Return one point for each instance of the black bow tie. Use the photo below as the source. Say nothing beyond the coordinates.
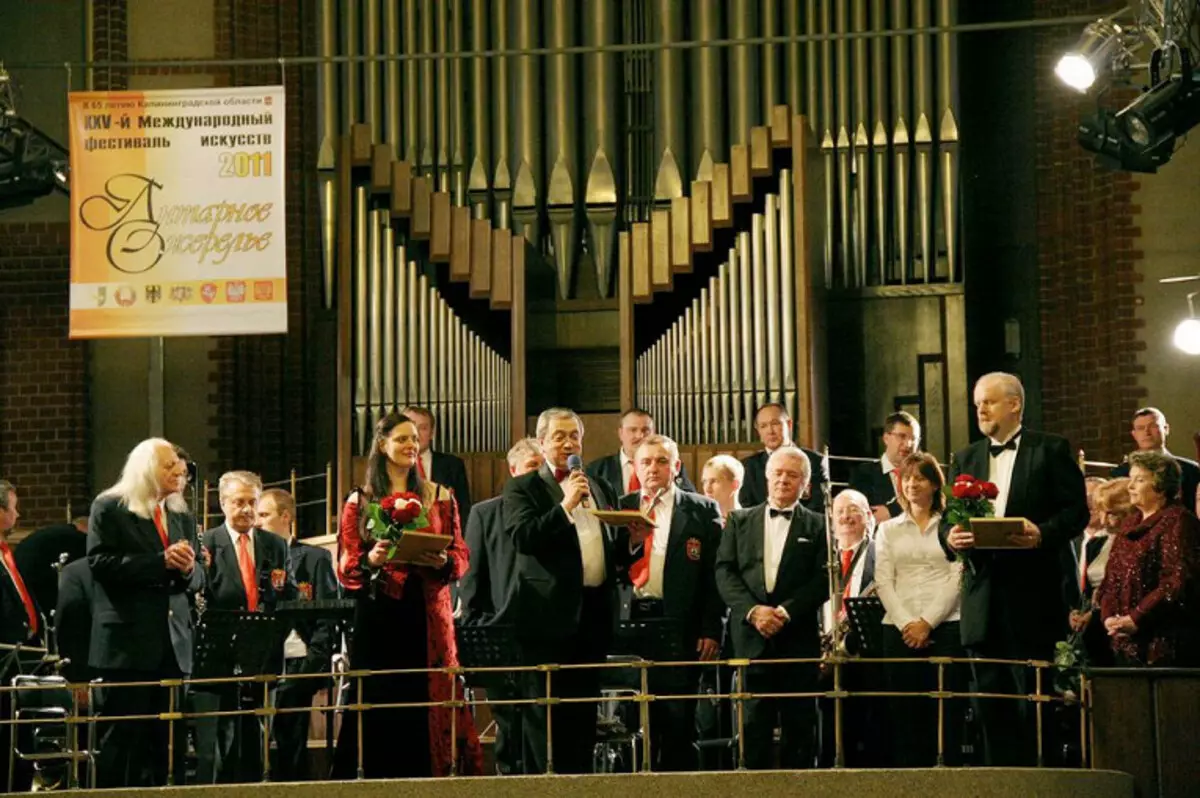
(785, 513)
(995, 450)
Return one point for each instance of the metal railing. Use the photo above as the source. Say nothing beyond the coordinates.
(352, 681)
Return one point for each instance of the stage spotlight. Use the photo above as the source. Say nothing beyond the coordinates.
(1103, 135)
(1187, 334)
(1168, 110)
(1100, 42)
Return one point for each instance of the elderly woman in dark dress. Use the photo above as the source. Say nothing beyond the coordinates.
(1147, 600)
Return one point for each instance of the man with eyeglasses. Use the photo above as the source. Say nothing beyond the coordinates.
(879, 480)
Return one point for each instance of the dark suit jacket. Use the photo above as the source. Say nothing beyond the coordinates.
(548, 597)
(1012, 599)
(608, 470)
(877, 486)
(689, 574)
(490, 583)
(451, 471)
(225, 590)
(1187, 487)
(73, 619)
(140, 609)
(313, 566)
(801, 585)
(754, 483)
(37, 555)
(14, 620)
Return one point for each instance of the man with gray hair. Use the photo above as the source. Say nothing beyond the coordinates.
(248, 572)
(771, 574)
(487, 590)
(1012, 603)
(565, 585)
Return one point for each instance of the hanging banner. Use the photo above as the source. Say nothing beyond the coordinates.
(177, 213)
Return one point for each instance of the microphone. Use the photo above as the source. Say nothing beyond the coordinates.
(575, 463)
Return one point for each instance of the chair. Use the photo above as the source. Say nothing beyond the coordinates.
(48, 742)
(618, 726)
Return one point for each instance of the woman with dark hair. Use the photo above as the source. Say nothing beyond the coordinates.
(403, 620)
(1148, 594)
(919, 589)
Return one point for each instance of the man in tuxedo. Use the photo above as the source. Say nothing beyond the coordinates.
(853, 529)
(721, 480)
(20, 623)
(444, 469)
(310, 643)
(1012, 605)
(771, 572)
(672, 577)
(45, 548)
(247, 571)
(879, 480)
(487, 590)
(564, 600)
(774, 427)
(618, 470)
(141, 549)
(1149, 432)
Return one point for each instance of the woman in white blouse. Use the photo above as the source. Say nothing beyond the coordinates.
(919, 589)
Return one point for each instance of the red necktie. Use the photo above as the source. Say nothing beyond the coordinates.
(639, 572)
(160, 526)
(246, 565)
(26, 599)
(561, 473)
(635, 484)
(847, 564)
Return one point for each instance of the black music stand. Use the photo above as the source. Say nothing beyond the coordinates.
(486, 647)
(866, 619)
(659, 639)
(236, 643)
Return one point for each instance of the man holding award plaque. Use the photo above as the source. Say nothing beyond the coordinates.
(1012, 603)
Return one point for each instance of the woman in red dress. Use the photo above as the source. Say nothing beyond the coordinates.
(402, 620)
(1150, 584)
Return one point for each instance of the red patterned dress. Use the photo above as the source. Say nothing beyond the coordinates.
(403, 619)
(1152, 577)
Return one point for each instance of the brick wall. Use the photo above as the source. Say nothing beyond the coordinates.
(1087, 262)
(263, 394)
(44, 420)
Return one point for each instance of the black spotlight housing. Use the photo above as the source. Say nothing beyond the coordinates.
(1104, 135)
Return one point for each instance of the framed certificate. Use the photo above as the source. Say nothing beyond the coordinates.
(993, 533)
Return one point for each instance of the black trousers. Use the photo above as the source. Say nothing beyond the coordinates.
(290, 729)
(914, 721)
(510, 734)
(134, 753)
(574, 724)
(796, 717)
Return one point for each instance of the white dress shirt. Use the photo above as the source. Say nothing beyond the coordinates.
(775, 535)
(427, 463)
(856, 577)
(914, 578)
(887, 467)
(664, 511)
(1000, 469)
(591, 545)
(1095, 568)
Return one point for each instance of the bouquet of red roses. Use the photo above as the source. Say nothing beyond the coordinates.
(394, 515)
(968, 498)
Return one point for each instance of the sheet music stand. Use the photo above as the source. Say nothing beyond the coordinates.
(486, 647)
(866, 619)
(658, 639)
(236, 643)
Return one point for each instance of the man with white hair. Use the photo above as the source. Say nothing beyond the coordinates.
(141, 549)
(853, 526)
(248, 572)
(1012, 603)
(771, 574)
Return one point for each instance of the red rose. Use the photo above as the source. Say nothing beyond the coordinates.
(404, 515)
(990, 491)
(964, 478)
(960, 489)
(388, 503)
(975, 490)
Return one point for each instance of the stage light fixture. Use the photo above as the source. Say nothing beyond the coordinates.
(1099, 49)
(1103, 135)
(1169, 109)
(1187, 334)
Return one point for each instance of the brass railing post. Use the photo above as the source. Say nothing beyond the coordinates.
(267, 722)
(453, 725)
(361, 774)
(1083, 720)
(549, 724)
(941, 715)
(170, 735)
(839, 749)
(73, 773)
(1037, 671)
(644, 716)
(741, 715)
